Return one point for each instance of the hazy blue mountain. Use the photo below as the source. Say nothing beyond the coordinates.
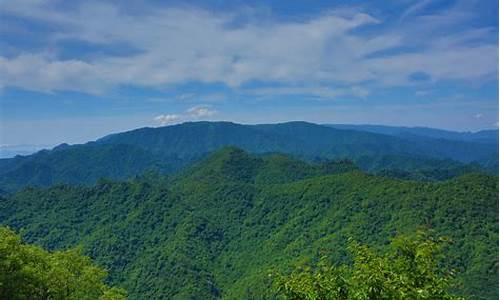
(78, 164)
(170, 148)
(190, 140)
(486, 136)
(8, 151)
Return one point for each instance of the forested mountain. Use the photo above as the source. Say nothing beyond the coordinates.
(217, 228)
(170, 148)
(414, 168)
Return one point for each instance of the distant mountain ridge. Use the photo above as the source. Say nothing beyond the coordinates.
(9, 151)
(486, 136)
(171, 148)
(297, 138)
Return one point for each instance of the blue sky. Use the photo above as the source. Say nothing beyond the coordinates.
(72, 71)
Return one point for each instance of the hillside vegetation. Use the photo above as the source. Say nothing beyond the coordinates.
(216, 229)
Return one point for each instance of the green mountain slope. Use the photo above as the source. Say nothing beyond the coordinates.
(79, 164)
(414, 168)
(170, 148)
(217, 228)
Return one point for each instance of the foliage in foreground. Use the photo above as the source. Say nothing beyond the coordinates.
(30, 272)
(409, 270)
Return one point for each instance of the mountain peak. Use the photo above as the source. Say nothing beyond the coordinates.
(234, 164)
(61, 147)
(228, 163)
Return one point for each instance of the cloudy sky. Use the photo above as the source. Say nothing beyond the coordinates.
(72, 71)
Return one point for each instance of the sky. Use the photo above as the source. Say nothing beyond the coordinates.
(73, 71)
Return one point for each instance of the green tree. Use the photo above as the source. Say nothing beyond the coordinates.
(408, 270)
(30, 272)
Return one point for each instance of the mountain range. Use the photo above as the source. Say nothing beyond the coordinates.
(409, 153)
(217, 228)
(485, 136)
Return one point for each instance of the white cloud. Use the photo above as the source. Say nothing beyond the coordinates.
(200, 111)
(41, 73)
(478, 115)
(193, 113)
(168, 119)
(178, 45)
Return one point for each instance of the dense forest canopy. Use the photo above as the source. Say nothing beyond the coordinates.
(216, 229)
